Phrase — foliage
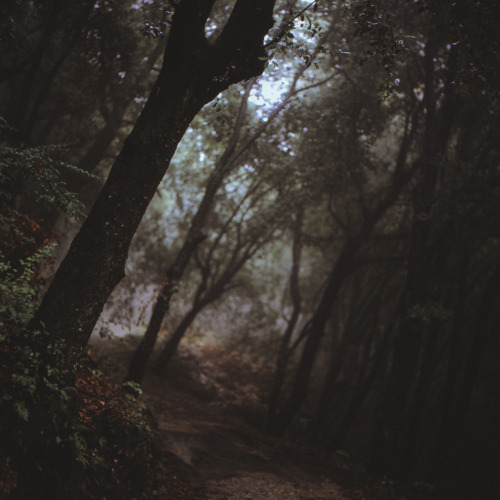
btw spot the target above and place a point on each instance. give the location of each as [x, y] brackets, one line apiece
[334, 150]
[37, 406]
[31, 177]
[40, 167]
[386, 45]
[224, 376]
[239, 377]
[65, 432]
[67, 438]
[18, 287]
[121, 456]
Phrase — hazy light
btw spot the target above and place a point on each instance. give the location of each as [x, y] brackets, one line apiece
[269, 93]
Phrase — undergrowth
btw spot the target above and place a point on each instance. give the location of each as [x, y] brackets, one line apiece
[67, 432]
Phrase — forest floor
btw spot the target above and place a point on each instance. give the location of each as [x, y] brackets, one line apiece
[220, 456]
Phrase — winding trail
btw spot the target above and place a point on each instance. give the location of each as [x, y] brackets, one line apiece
[219, 455]
[230, 460]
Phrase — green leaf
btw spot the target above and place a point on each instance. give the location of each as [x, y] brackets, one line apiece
[21, 410]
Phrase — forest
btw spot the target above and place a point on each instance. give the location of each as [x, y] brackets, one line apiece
[280, 216]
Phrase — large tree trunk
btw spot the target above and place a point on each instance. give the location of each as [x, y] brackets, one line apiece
[193, 73]
[224, 165]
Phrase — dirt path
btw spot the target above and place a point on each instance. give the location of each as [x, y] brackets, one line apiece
[230, 460]
[219, 456]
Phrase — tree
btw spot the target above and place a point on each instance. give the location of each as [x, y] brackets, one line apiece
[238, 144]
[249, 226]
[439, 257]
[371, 209]
[194, 71]
[195, 235]
[284, 350]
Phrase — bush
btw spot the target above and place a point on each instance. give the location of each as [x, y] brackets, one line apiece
[67, 432]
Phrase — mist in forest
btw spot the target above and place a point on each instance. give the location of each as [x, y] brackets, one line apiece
[296, 220]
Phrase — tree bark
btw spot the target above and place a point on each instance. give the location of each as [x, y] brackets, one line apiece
[223, 166]
[343, 267]
[284, 347]
[206, 295]
[407, 344]
[216, 280]
[193, 73]
[363, 318]
[174, 341]
[362, 390]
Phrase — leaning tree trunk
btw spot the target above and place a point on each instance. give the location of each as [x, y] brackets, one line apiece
[173, 342]
[284, 346]
[194, 71]
[203, 298]
[137, 367]
[341, 270]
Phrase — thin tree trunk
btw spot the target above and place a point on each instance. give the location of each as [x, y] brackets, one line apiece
[173, 342]
[342, 268]
[483, 335]
[361, 319]
[284, 349]
[361, 393]
[222, 168]
[207, 294]
[439, 255]
[203, 297]
[446, 433]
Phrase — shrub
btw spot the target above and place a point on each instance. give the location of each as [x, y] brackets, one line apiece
[69, 433]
